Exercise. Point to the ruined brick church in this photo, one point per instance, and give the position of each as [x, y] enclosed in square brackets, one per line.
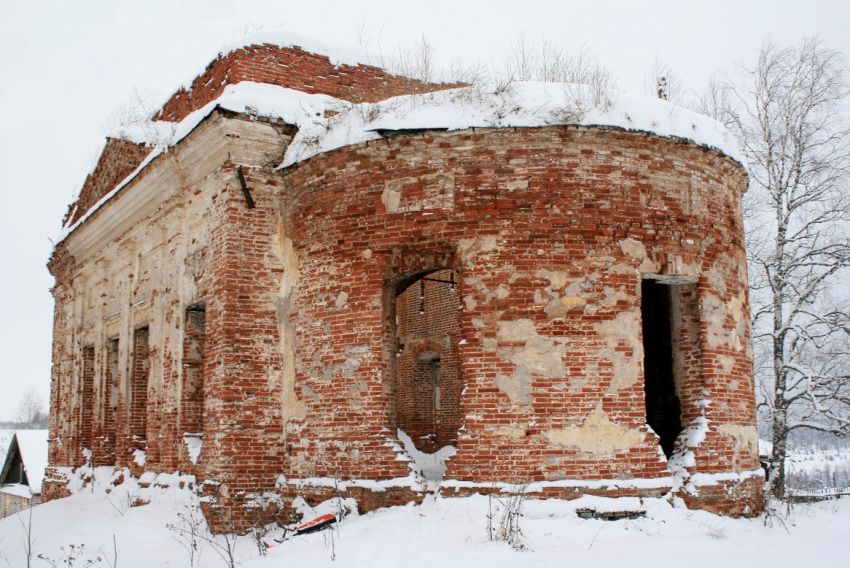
[269, 302]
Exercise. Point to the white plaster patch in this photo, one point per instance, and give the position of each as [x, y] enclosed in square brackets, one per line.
[391, 199]
[613, 296]
[514, 432]
[470, 248]
[635, 250]
[516, 184]
[556, 278]
[598, 435]
[727, 363]
[516, 386]
[624, 328]
[293, 408]
[716, 312]
[559, 307]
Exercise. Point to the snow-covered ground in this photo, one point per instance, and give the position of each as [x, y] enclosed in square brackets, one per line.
[440, 532]
[813, 470]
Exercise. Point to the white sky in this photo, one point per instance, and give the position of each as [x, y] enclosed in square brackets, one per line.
[66, 66]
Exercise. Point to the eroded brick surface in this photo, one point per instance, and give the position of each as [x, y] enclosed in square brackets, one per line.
[293, 68]
[295, 337]
[118, 160]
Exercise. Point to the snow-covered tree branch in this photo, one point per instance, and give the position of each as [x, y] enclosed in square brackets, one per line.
[795, 136]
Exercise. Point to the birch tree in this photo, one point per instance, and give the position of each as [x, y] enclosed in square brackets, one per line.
[790, 118]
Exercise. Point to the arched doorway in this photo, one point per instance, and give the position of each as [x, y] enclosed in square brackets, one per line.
[428, 383]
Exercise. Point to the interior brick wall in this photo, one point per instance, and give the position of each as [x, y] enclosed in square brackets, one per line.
[434, 331]
[86, 410]
[138, 415]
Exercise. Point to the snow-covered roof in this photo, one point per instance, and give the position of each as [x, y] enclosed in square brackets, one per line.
[32, 445]
[520, 104]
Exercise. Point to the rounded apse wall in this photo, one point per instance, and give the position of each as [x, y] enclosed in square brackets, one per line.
[554, 233]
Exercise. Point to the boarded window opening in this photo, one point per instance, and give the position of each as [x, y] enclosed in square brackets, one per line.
[139, 386]
[663, 409]
[87, 398]
[193, 370]
[426, 324]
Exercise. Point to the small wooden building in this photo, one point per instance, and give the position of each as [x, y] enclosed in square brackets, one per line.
[23, 471]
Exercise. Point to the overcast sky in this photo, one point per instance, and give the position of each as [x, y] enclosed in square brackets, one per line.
[65, 67]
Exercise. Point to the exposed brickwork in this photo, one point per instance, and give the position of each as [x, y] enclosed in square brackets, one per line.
[311, 350]
[736, 498]
[553, 240]
[118, 160]
[139, 389]
[428, 379]
[293, 68]
[86, 414]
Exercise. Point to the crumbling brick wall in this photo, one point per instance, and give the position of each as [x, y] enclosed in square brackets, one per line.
[293, 68]
[117, 161]
[294, 374]
[554, 229]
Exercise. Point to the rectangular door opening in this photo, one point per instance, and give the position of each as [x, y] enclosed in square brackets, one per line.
[663, 408]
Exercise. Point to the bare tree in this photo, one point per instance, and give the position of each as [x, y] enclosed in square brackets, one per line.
[587, 84]
[416, 62]
[797, 145]
[30, 412]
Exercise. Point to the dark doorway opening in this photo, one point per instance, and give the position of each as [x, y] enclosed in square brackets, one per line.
[426, 330]
[663, 408]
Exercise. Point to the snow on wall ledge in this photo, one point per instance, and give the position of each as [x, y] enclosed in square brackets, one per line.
[325, 123]
[521, 104]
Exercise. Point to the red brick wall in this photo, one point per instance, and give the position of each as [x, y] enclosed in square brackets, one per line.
[522, 209]
[550, 231]
[295, 69]
[87, 399]
[247, 443]
[139, 389]
[118, 160]
[433, 333]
